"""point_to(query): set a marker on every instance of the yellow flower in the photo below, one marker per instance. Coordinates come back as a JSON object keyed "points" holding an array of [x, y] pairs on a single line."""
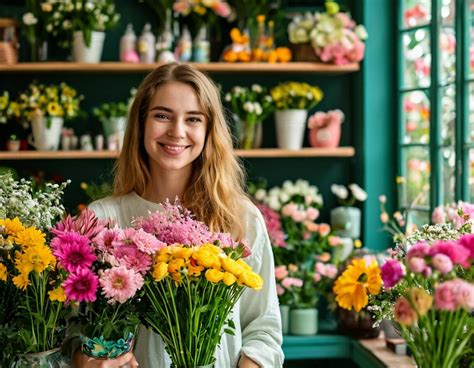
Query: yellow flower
{"points": [[160, 271], [251, 279], [57, 294], [229, 278], [244, 265], [175, 265], [12, 227], [420, 300], [164, 255], [357, 280], [194, 270], [181, 252], [229, 265], [30, 237], [206, 257], [3, 272], [357, 243], [214, 276], [201, 10], [332, 7], [36, 258], [4, 100], [54, 109], [21, 281]]}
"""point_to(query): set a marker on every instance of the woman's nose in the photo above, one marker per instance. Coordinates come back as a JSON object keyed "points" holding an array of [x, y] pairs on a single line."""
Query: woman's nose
{"points": [[177, 129]]}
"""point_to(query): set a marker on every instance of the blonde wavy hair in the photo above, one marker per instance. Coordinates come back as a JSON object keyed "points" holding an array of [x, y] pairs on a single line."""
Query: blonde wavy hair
{"points": [[215, 192]]}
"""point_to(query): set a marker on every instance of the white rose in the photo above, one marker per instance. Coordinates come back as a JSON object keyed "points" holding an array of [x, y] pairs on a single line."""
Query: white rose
{"points": [[260, 194], [274, 204], [358, 192], [29, 19], [248, 106], [340, 191], [284, 197]]}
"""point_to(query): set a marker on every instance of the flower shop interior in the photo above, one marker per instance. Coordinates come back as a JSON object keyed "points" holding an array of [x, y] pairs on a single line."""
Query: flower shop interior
{"points": [[353, 119]]}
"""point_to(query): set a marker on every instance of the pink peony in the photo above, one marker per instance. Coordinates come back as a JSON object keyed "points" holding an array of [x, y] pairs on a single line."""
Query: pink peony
{"points": [[467, 241], [457, 253], [73, 251], [442, 263], [445, 295], [281, 272], [465, 296], [81, 286], [120, 284], [392, 273], [416, 264], [420, 249]]}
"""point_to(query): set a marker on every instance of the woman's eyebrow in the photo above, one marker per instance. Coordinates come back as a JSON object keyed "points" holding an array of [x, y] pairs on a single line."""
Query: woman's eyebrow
{"points": [[162, 108]]}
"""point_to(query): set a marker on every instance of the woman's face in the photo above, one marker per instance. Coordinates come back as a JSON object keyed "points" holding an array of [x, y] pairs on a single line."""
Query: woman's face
{"points": [[175, 127]]}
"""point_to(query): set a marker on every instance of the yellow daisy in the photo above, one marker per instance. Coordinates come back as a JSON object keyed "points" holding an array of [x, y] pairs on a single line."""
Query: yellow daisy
{"points": [[12, 227], [30, 237], [36, 258], [54, 109], [352, 287], [57, 294], [3, 272], [21, 281]]}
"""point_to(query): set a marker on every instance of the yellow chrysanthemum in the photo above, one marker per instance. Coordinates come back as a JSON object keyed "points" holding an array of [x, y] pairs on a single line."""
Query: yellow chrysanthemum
{"points": [[356, 281], [21, 281], [54, 109], [12, 227], [36, 258], [3, 272], [30, 237], [251, 279], [214, 276], [160, 271], [57, 294]]}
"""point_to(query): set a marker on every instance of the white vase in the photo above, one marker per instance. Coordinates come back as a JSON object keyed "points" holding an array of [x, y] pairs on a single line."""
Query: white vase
{"points": [[304, 321], [45, 137], [290, 128], [83, 54], [114, 125], [345, 221]]}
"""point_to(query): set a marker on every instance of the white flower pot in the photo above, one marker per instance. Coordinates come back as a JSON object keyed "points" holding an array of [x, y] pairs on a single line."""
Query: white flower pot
{"points": [[290, 128], [114, 125], [83, 54], [345, 221], [46, 138]]}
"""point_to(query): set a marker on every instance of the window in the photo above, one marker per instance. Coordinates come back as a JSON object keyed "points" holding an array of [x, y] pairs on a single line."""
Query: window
{"points": [[435, 104]]}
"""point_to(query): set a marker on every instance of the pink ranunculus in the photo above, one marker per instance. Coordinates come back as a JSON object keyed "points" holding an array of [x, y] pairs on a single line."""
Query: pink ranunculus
{"points": [[404, 313], [280, 290], [289, 209], [281, 272], [427, 272], [292, 281], [420, 249], [442, 263], [81, 286], [120, 284], [392, 272], [467, 241], [312, 213], [445, 295], [316, 277], [416, 264], [456, 252], [73, 251], [438, 216], [465, 296]]}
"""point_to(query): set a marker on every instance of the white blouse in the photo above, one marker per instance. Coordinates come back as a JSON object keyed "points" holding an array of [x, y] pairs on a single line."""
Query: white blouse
{"points": [[256, 315]]}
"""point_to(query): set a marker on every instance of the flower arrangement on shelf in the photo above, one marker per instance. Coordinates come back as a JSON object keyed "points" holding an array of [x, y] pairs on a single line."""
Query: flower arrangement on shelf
{"points": [[4, 107], [113, 116], [194, 266], [296, 95], [252, 105], [333, 34], [348, 198]]}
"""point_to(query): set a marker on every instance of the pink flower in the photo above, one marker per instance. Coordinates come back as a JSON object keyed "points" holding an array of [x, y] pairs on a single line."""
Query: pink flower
{"points": [[324, 229], [86, 223], [445, 295], [334, 241], [221, 8], [146, 242], [81, 286], [392, 273], [73, 251], [438, 216], [312, 213], [316, 277], [281, 272], [298, 216], [289, 209], [456, 252], [442, 263], [280, 290], [132, 258], [120, 284], [404, 313], [105, 239], [416, 264], [420, 249], [467, 241], [292, 281], [331, 271], [465, 296], [273, 222]]}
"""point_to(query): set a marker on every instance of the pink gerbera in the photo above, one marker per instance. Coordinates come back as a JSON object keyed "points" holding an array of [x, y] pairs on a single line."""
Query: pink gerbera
{"points": [[73, 251], [81, 286], [105, 239], [147, 243], [120, 284]]}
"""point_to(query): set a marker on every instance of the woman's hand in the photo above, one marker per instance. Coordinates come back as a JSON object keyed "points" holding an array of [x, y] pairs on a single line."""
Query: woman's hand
{"points": [[246, 362], [83, 361]]}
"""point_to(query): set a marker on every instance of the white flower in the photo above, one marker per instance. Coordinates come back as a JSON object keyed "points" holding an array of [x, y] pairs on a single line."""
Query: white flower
{"points": [[361, 32], [358, 192], [228, 97], [289, 187], [79, 5], [260, 194], [67, 24], [248, 106], [46, 7], [89, 6], [382, 199], [257, 88], [29, 19], [49, 27], [340, 191], [284, 197], [257, 108], [274, 204]]}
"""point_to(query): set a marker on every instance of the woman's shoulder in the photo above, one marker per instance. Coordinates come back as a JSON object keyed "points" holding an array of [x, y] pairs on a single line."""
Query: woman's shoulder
{"points": [[111, 202]]}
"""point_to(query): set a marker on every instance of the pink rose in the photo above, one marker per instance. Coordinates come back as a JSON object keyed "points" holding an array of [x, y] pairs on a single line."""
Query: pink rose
{"points": [[331, 271], [280, 290], [416, 264], [289, 209], [292, 281], [392, 273], [442, 263], [404, 313], [312, 213], [298, 216], [281, 272], [316, 277], [324, 229]]}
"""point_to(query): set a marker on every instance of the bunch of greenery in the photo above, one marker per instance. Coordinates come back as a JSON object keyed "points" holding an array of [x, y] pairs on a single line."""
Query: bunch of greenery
{"points": [[110, 110]]}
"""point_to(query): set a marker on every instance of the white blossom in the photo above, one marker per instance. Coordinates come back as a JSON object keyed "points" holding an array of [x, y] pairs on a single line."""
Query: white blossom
{"points": [[260, 194], [340, 191], [29, 19], [358, 192]]}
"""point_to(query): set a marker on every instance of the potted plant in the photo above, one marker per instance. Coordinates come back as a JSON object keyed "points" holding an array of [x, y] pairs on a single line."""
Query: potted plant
{"points": [[292, 102], [250, 107], [113, 116], [345, 219], [325, 128], [13, 143]]}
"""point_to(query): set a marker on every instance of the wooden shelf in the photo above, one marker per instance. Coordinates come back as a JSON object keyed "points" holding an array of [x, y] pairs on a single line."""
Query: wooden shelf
{"points": [[255, 153], [119, 67]]}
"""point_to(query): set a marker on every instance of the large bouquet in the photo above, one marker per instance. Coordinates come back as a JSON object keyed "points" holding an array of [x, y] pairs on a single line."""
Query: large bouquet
{"points": [[193, 285]]}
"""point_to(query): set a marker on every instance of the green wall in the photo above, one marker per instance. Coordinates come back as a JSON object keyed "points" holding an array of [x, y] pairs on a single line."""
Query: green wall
{"points": [[365, 97]]}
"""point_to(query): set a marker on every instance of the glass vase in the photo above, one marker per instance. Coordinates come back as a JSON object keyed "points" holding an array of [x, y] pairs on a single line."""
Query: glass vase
{"points": [[211, 365], [46, 359], [248, 134]]}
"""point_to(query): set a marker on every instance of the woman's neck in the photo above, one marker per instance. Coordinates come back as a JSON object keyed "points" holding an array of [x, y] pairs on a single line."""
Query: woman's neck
{"points": [[166, 185]]}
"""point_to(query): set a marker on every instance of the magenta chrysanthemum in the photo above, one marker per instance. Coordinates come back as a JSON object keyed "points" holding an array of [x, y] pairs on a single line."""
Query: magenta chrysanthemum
{"points": [[73, 251], [120, 284], [81, 286]]}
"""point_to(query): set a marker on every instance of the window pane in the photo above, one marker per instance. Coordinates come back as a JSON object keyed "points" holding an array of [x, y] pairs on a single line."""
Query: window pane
{"points": [[448, 115], [447, 47], [418, 218], [416, 117], [417, 56], [471, 111], [416, 12], [416, 166], [448, 8], [449, 178]]}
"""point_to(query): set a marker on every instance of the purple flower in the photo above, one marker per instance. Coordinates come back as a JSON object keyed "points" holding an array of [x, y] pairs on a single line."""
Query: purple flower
{"points": [[392, 273]]}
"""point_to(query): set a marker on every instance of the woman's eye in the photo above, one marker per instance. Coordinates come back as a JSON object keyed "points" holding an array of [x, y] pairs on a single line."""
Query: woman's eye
{"points": [[194, 120], [160, 116]]}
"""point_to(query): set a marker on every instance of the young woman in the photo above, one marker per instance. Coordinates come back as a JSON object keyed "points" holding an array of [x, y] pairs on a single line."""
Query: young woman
{"points": [[177, 143]]}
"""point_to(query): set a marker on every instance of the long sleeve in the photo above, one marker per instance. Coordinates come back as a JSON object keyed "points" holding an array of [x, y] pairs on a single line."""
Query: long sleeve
{"points": [[259, 310]]}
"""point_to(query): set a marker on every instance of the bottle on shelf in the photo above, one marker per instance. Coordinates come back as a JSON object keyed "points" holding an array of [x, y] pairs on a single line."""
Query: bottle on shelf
{"points": [[184, 47], [164, 46], [146, 45], [127, 46], [201, 47]]}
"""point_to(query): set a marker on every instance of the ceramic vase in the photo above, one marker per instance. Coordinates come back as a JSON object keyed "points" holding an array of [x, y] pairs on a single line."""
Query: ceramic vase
{"points": [[47, 359], [345, 221], [46, 134], [304, 321], [99, 348], [290, 128], [87, 54], [285, 318], [327, 136]]}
